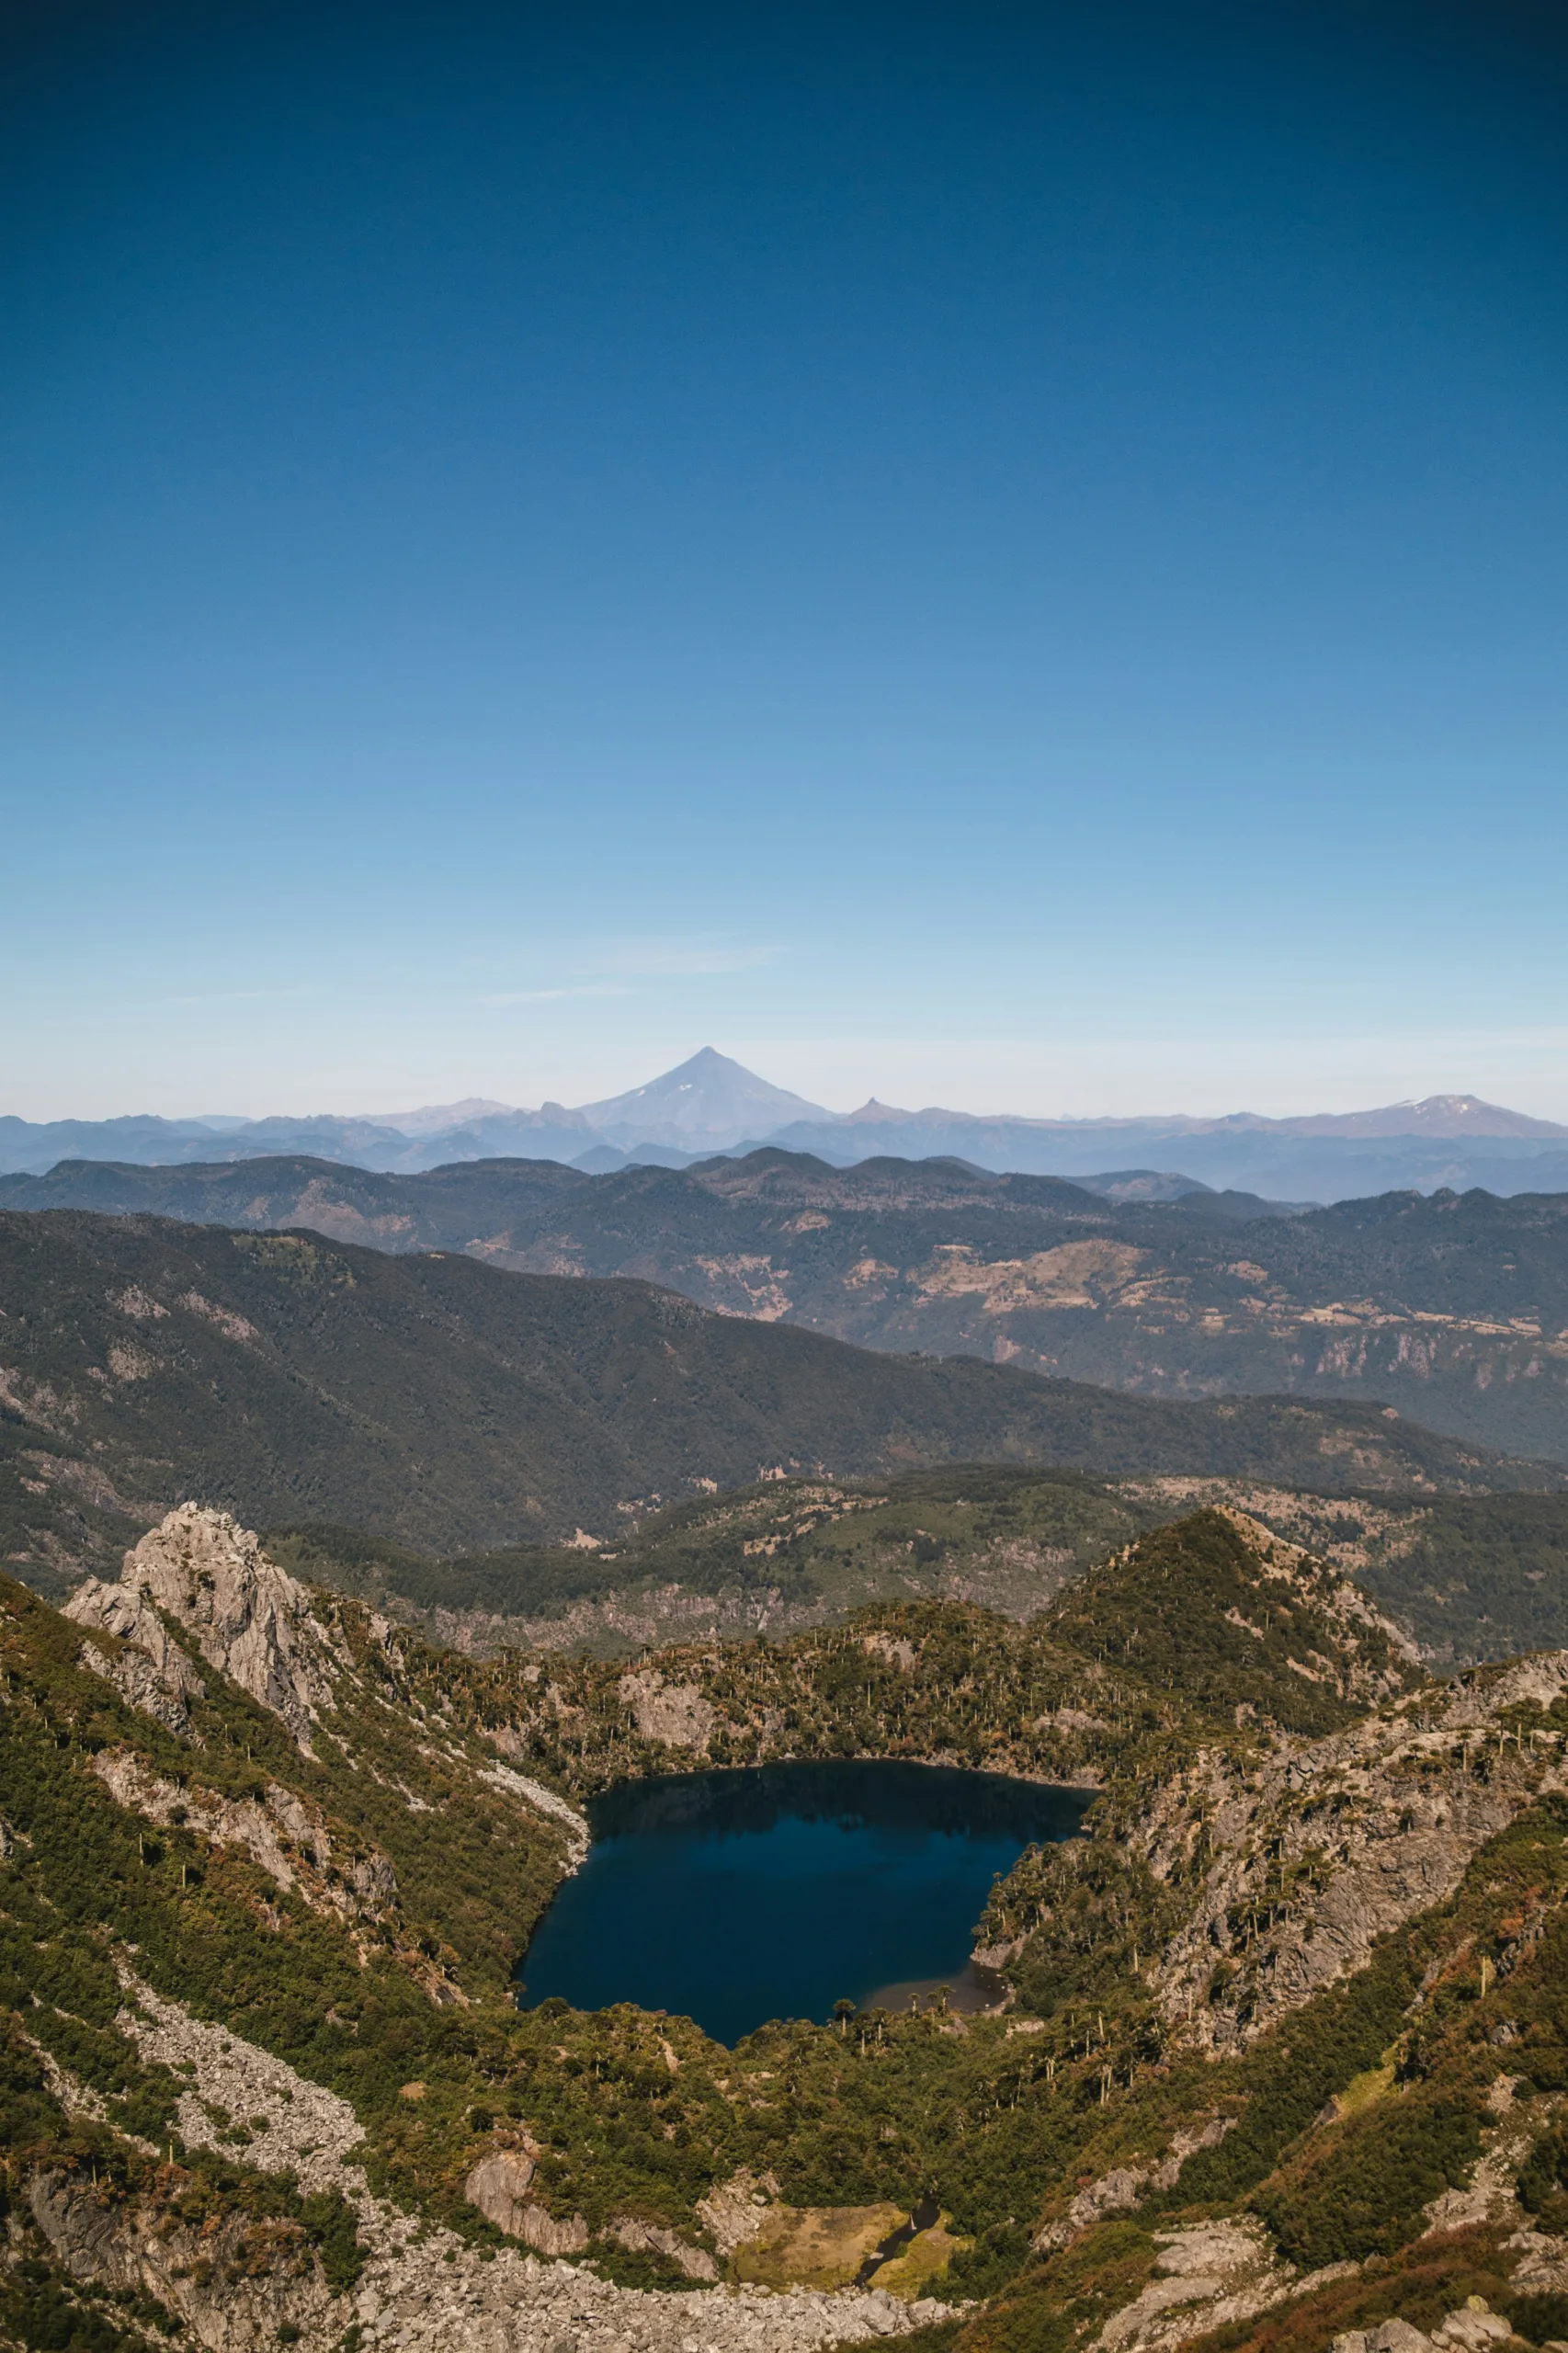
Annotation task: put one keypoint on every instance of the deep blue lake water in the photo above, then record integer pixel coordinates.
(774, 1890)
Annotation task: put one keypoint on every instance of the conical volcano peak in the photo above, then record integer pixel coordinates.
(708, 1101)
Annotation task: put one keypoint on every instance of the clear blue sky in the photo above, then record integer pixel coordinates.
(1015, 556)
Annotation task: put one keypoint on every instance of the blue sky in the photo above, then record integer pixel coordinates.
(1015, 556)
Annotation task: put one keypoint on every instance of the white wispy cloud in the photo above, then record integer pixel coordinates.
(686, 959)
(544, 996)
(233, 997)
(611, 968)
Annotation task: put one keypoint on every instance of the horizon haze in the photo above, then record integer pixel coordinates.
(712, 1106)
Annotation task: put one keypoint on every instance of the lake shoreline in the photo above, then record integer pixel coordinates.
(744, 1894)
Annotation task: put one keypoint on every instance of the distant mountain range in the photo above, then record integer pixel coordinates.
(712, 1106)
(1453, 1309)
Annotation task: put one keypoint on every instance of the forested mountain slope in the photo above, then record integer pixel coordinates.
(452, 1405)
(1454, 1308)
(1283, 2053)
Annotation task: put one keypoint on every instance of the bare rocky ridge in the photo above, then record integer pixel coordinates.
(200, 1574)
(149, 1669)
(283, 1833)
(248, 1617)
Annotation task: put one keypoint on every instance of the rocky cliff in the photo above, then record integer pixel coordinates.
(246, 1617)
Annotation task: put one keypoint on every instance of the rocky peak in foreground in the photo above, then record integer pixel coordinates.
(248, 1617)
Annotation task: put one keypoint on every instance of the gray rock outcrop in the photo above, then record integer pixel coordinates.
(1321, 1847)
(674, 1714)
(147, 1667)
(246, 1617)
(281, 1832)
(652, 2238)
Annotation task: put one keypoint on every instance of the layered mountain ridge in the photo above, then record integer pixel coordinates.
(712, 1104)
(1453, 1310)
